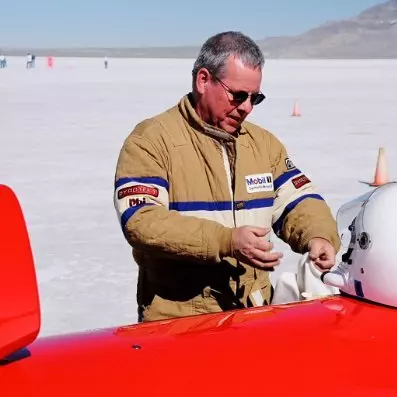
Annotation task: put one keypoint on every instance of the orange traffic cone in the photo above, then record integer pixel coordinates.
(296, 112)
(381, 173)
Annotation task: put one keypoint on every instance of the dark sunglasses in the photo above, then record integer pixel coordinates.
(241, 96)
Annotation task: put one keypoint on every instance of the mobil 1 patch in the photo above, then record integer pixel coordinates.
(259, 183)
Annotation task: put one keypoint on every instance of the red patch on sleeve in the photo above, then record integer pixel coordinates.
(140, 190)
(300, 181)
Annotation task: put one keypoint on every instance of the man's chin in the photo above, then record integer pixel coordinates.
(231, 128)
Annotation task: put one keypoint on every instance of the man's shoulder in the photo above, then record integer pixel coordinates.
(158, 127)
(263, 137)
(257, 132)
(152, 125)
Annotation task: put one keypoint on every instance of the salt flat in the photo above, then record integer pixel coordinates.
(61, 130)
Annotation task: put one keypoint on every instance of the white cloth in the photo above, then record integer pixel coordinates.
(302, 285)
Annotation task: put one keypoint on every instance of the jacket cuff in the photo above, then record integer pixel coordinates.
(332, 238)
(224, 240)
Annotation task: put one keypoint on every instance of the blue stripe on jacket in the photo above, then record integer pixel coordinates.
(184, 206)
(279, 223)
(129, 212)
(256, 203)
(147, 180)
(283, 178)
(201, 206)
(220, 205)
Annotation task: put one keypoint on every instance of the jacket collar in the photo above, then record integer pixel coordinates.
(189, 114)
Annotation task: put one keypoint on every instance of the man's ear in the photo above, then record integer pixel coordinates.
(202, 78)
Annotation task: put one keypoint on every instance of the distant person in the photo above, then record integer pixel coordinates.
(3, 61)
(105, 62)
(198, 189)
(33, 60)
(29, 59)
(50, 61)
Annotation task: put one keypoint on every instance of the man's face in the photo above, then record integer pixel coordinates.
(223, 110)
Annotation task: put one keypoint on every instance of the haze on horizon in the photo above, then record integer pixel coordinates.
(122, 23)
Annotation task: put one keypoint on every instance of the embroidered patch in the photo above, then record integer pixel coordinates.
(259, 183)
(135, 202)
(137, 190)
(300, 181)
(289, 164)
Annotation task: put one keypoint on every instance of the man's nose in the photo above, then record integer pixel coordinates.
(246, 106)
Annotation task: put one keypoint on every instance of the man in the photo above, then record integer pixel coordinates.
(3, 61)
(197, 190)
(29, 60)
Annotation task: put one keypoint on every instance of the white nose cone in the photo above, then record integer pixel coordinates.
(369, 268)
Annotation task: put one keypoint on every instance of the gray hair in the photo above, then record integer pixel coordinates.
(217, 49)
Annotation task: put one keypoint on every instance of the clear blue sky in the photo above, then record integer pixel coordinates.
(121, 23)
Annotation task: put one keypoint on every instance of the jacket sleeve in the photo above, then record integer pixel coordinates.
(141, 200)
(300, 213)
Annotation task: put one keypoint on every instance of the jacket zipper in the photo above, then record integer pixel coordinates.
(226, 163)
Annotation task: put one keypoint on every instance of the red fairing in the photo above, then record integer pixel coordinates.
(19, 300)
(336, 346)
(331, 347)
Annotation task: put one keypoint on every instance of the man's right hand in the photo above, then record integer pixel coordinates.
(250, 246)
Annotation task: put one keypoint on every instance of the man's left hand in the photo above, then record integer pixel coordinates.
(322, 253)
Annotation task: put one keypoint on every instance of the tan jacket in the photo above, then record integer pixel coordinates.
(181, 186)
